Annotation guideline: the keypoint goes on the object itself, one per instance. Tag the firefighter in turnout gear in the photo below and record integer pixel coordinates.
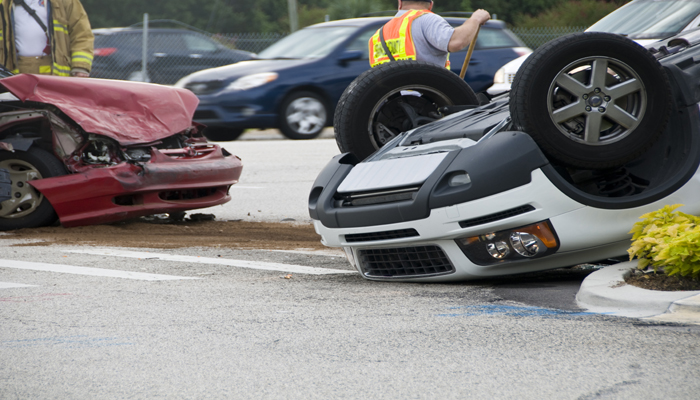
(415, 33)
(51, 37)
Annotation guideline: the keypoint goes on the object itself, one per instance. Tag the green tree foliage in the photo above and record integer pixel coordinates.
(224, 16)
(569, 13)
(355, 8)
(507, 9)
(233, 16)
(669, 240)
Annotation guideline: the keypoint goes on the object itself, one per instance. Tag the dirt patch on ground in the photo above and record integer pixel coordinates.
(662, 282)
(232, 234)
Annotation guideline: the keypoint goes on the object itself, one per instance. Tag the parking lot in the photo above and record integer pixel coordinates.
(265, 319)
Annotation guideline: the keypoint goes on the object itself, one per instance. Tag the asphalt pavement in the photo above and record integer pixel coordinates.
(81, 322)
(603, 291)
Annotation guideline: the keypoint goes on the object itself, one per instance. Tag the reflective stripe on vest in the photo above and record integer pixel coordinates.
(398, 38)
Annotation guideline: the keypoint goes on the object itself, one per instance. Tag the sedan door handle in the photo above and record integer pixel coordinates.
(160, 55)
(195, 56)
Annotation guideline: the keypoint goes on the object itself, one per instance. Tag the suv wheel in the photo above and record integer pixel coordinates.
(591, 100)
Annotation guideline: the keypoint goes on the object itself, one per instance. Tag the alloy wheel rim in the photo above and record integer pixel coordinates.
(25, 199)
(596, 101)
(306, 115)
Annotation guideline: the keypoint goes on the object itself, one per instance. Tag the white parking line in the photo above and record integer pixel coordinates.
(71, 269)
(300, 269)
(10, 285)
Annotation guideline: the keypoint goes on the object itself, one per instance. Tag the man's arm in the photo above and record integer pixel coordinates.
(81, 39)
(464, 33)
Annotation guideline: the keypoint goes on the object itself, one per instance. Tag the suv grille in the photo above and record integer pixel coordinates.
(378, 197)
(497, 216)
(419, 261)
(386, 235)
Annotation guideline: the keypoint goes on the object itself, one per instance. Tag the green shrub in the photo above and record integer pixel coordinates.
(669, 240)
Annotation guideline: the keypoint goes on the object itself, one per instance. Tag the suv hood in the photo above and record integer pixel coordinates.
(128, 112)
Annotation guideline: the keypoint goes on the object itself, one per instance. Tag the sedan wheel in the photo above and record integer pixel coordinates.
(304, 116)
(28, 208)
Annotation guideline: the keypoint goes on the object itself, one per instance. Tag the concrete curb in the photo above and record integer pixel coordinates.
(606, 292)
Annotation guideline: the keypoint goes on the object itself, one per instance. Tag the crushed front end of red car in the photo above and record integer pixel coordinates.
(122, 150)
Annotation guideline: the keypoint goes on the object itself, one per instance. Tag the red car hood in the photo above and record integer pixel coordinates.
(128, 112)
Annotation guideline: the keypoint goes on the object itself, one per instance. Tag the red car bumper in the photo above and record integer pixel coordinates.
(171, 181)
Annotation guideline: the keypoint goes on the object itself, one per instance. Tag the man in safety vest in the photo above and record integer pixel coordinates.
(415, 33)
(51, 37)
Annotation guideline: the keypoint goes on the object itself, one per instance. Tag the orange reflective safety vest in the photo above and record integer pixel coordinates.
(398, 38)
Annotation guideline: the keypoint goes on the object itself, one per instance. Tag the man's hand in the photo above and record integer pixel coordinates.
(464, 33)
(480, 16)
(79, 72)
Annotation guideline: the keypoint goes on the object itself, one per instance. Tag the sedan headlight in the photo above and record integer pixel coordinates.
(532, 241)
(252, 81)
(500, 76)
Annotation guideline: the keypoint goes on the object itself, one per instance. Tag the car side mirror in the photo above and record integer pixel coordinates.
(349, 55)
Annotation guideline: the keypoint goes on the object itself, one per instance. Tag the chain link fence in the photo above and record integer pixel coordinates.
(536, 37)
(173, 53)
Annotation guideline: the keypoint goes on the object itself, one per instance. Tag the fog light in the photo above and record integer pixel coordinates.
(517, 244)
(526, 244)
(497, 250)
(459, 179)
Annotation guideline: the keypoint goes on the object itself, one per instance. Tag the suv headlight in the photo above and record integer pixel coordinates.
(252, 81)
(531, 241)
(500, 76)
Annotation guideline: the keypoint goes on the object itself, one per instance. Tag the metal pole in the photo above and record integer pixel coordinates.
(293, 18)
(144, 50)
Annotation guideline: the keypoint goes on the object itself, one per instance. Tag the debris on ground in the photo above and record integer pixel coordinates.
(141, 234)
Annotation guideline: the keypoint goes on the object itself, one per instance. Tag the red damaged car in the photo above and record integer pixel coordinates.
(93, 151)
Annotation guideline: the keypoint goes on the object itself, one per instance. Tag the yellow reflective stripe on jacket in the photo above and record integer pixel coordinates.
(81, 56)
(59, 27)
(45, 69)
(61, 70)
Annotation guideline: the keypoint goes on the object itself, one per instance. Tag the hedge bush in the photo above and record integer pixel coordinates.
(669, 240)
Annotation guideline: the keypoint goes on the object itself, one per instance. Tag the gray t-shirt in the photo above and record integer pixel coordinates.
(431, 35)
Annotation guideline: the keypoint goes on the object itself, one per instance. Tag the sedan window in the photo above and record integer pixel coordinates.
(308, 43)
(494, 39)
(362, 42)
(164, 42)
(198, 43)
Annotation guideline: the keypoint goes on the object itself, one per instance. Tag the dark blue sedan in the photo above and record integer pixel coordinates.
(295, 84)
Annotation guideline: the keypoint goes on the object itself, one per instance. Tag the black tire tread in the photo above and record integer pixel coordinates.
(362, 91)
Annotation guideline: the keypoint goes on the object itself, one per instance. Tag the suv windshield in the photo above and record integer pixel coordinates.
(308, 43)
(649, 19)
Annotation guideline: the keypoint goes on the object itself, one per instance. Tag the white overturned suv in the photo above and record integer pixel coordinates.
(596, 132)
